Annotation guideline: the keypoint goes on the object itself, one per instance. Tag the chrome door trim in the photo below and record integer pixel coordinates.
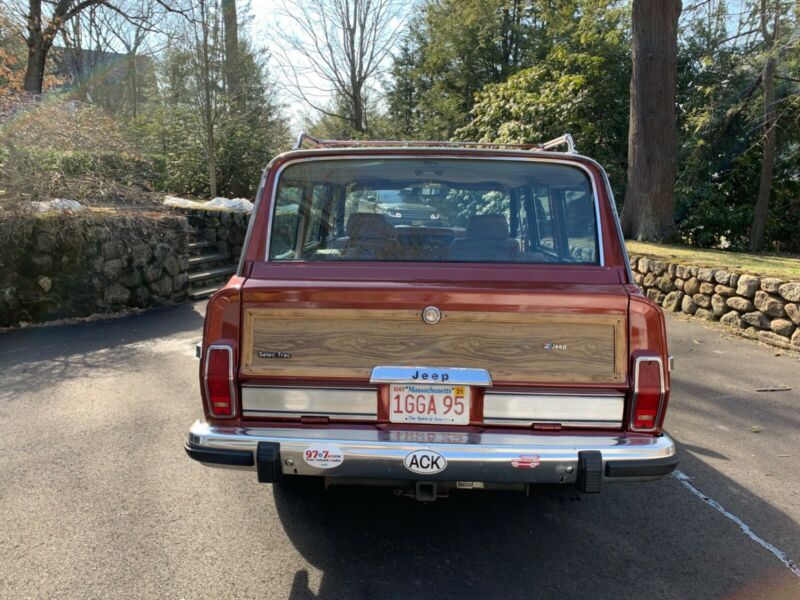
(617, 225)
(444, 375)
(251, 220)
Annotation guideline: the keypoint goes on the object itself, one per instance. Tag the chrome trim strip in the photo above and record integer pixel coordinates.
(554, 157)
(613, 205)
(441, 375)
(251, 219)
(562, 422)
(296, 402)
(231, 382)
(635, 396)
(372, 453)
(573, 410)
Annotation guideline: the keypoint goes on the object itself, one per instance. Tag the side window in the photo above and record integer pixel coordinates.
(544, 230)
(318, 215)
(580, 225)
(285, 228)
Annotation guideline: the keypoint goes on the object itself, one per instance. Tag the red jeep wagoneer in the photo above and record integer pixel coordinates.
(433, 316)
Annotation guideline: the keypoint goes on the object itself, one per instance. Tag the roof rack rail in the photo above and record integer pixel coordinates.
(564, 140)
(308, 141)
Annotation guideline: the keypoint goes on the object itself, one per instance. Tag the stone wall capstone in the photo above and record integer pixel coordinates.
(763, 308)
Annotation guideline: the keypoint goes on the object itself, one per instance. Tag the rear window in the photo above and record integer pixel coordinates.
(436, 210)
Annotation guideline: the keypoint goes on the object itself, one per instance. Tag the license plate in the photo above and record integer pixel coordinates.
(429, 437)
(429, 404)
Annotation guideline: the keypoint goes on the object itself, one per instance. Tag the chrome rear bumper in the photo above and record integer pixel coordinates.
(485, 457)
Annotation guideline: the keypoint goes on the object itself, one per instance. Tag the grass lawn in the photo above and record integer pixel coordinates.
(786, 267)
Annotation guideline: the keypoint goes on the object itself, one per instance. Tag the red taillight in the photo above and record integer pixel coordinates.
(219, 381)
(648, 394)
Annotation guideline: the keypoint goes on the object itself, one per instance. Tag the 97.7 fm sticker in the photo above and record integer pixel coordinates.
(323, 456)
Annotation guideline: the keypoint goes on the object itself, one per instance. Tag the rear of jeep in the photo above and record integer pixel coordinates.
(431, 317)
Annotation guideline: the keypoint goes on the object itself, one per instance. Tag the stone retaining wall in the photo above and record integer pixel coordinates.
(765, 308)
(226, 228)
(74, 265)
(62, 265)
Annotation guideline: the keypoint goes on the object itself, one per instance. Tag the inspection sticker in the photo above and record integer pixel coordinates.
(324, 456)
(530, 461)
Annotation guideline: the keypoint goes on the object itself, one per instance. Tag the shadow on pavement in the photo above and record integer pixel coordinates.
(35, 358)
(633, 540)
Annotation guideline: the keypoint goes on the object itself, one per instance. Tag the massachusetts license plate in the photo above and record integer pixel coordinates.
(429, 404)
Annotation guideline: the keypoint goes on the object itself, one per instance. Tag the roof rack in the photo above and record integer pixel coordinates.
(307, 141)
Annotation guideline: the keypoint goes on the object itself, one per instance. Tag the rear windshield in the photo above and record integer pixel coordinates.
(436, 210)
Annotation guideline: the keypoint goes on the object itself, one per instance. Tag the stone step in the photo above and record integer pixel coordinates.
(206, 258)
(203, 292)
(213, 272)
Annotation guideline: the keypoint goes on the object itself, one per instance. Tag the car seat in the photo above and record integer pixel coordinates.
(488, 239)
(370, 237)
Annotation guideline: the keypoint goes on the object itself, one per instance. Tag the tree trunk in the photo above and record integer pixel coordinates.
(208, 104)
(133, 72)
(761, 212)
(767, 160)
(649, 208)
(212, 162)
(37, 56)
(233, 78)
(358, 112)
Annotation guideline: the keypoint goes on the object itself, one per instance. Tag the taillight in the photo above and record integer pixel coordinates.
(648, 393)
(220, 387)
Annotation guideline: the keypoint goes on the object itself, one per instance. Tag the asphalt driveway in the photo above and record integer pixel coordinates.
(97, 498)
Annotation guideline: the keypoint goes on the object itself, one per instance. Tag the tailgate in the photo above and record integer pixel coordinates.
(556, 336)
(529, 347)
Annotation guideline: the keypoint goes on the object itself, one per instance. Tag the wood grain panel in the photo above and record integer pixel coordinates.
(349, 343)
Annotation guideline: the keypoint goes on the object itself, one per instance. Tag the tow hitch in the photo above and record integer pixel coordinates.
(424, 491)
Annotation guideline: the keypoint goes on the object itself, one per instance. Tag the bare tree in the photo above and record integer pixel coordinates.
(45, 19)
(345, 44)
(769, 120)
(137, 37)
(205, 54)
(82, 40)
(652, 138)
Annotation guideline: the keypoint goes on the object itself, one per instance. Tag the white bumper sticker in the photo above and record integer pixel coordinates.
(425, 462)
(323, 456)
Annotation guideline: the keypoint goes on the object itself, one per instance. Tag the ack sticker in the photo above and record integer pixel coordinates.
(323, 456)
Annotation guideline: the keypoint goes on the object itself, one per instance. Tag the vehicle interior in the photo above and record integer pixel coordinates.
(442, 210)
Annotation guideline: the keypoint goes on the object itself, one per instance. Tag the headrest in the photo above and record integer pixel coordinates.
(368, 225)
(488, 227)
